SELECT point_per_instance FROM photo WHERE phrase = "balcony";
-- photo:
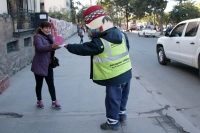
(23, 22)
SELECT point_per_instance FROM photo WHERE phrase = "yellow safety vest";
(113, 61)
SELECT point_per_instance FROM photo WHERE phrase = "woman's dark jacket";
(43, 50)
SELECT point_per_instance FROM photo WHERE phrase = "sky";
(170, 5)
(86, 2)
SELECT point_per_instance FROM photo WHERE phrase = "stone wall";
(12, 61)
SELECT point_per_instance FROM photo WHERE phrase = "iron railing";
(23, 20)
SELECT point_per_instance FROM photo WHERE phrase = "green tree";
(125, 6)
(135, 9)
(198, 6)
(73, 11)
(113, 10)
(184, 11)
(79, 15)
(166, 19)
(154, 8)
(62, 14)
(140, 8)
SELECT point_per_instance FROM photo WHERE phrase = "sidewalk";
(83, 103)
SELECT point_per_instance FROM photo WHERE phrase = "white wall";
(37, 5)
(3, 7)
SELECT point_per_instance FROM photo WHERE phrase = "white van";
(182, 44)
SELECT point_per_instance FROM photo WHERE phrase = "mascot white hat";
(96, 18)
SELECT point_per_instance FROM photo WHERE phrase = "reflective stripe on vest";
(113, 61)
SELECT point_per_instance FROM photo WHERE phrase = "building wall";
(37, 5)
(13, 61)
(3, 7)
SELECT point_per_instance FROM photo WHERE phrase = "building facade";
(16, 34)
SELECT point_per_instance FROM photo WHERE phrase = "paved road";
(178, 83)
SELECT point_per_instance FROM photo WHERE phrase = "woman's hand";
(55, 46)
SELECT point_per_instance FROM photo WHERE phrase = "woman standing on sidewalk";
(41, 65)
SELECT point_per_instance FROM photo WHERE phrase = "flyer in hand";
(59, 40)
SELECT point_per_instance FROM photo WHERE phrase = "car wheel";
(139, 34)
(161, 56)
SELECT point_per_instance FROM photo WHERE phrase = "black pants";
(81, 41)
(50, 82)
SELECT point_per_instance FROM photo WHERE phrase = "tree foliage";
(62, 15)
(134, 9)
(118, 9)
(79, 15)
(186, 10)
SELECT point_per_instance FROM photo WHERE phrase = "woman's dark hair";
(45, 24)
(42, 25)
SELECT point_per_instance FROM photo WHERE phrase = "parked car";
(148, 32)
(182, 44)
(132, 28)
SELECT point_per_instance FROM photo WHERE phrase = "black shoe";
(106, 126)
(123, 119)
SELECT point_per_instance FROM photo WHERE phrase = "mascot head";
(96, 19)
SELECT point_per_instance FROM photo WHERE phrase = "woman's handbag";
(54, 62)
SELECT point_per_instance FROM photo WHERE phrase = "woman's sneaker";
(55, 105)
(40, 104)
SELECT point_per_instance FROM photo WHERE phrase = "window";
(177, 32)
(27, 42)
(22, 16)
(12, 46)
(192, 29)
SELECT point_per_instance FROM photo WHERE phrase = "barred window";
(27, 41)
(12, 46)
